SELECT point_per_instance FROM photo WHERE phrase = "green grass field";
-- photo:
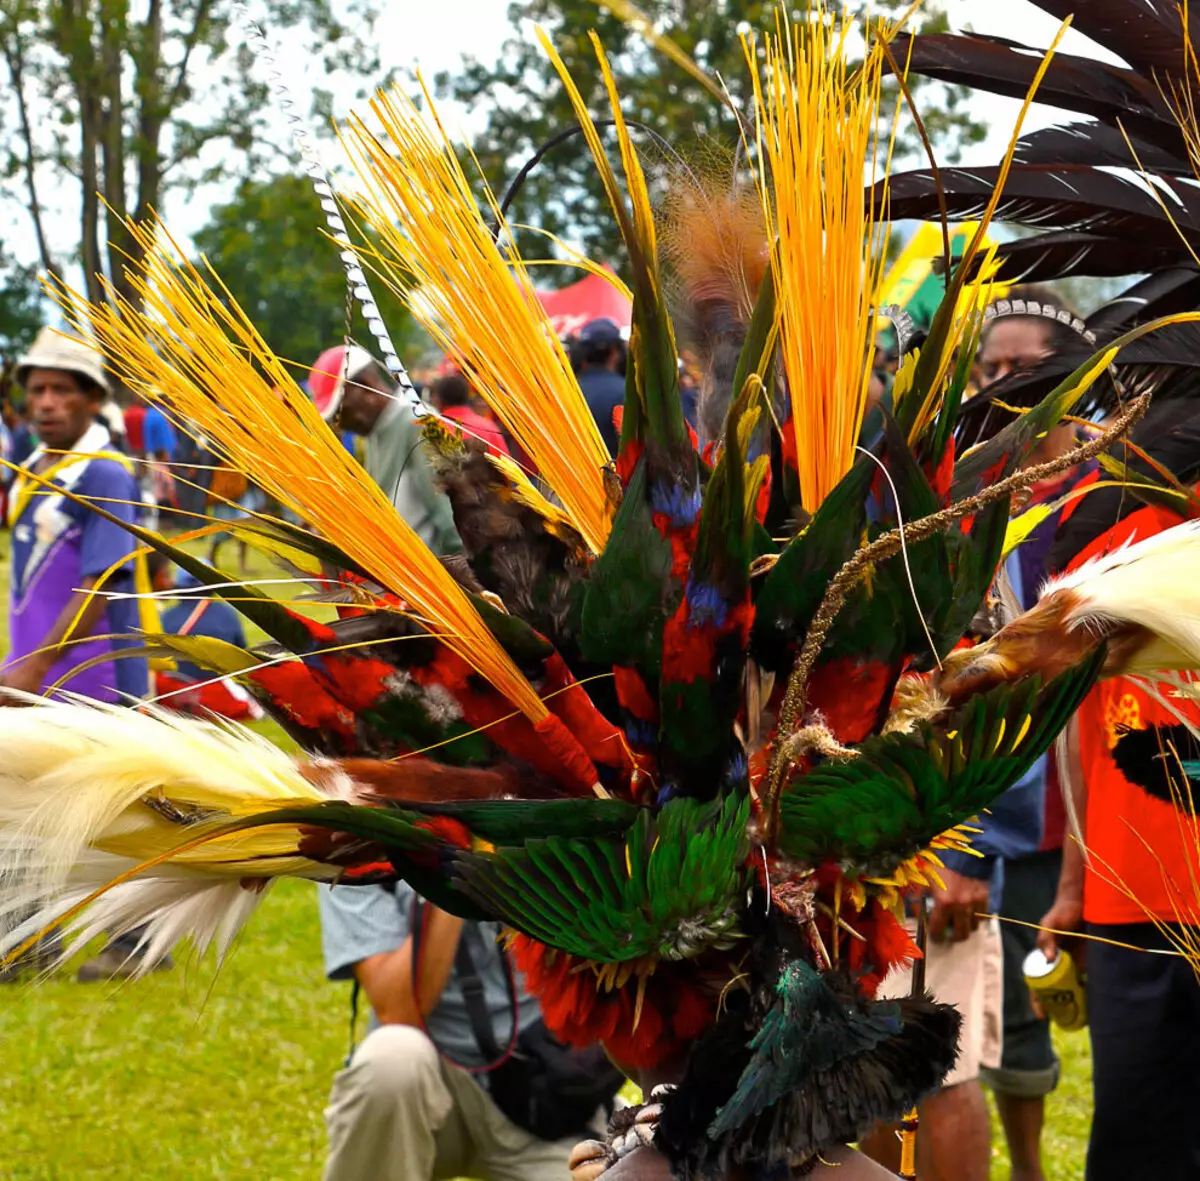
(195, 1074)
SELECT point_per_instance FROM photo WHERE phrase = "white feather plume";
(1153, 584)
(89, 791)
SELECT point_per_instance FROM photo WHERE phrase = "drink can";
(1057, 986)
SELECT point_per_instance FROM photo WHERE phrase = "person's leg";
(954, 1136)
(1144, 1020)
(954, 1142)
(500, 1150)
(391, 1116)
(119, 959)
(1028, 1066)
(1022, 1118)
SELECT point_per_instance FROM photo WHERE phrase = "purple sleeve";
(110, 487)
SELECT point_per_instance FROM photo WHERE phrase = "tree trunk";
(89, 174)
(113, 19)
(153, 109)
(73, 36)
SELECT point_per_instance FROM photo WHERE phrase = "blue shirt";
(604, 391)
(1013, 826)
(216, 619)
(362, 921)
(159, 435)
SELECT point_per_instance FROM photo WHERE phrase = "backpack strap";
(474, 997)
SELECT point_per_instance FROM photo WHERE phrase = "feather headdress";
(658, 733)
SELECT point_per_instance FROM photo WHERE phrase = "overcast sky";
(434, 34)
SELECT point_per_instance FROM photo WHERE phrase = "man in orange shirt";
(1141, 869)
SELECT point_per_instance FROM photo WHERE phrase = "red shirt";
(478, 427)
(1145, 856)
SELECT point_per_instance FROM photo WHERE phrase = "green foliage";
(132, 101)
(22, 308)
(268, 245)
(527, 105)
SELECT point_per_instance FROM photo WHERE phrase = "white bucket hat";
(58, 350)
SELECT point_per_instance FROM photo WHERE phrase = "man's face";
(59, 407)
(361, 407)
(1017, 342)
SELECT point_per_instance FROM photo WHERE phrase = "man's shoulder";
(111, 469)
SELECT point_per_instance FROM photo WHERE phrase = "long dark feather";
(1060, 253)
(1173, 289)
(1099, 145)
(1072, 83)
(1145, 33)
(1069, 197)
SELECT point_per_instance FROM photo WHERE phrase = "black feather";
(1158, 760)
(1145, 33)
(1100, 146)
(1061, 253)
(1109, 93)
(1170, 290)
(848, 1082)
(1072, 197)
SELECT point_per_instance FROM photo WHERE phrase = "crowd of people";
(410, 1102)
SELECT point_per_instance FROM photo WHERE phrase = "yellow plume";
(816, 136)
(477, 300)
(193, 351)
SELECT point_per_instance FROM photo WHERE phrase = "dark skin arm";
(388, 981)
(29, 674)
(1066, 913)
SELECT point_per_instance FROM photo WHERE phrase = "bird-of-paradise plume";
(472, 293)
(192, 350)
(91, 791)
(816, 134)
(1139, 599)
(715, 239)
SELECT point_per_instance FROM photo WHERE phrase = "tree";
(133, 100)
(267, 245)
(527, 106)
(22, 306)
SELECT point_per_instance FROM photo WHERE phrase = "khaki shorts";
(969, 976)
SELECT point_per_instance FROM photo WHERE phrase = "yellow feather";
(815, 137)
(193, 350)
(474, 296)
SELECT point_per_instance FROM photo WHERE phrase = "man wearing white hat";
(350, 387)
(60, 547)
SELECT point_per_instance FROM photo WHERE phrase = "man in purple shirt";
(60, 547)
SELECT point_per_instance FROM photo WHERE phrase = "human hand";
(25, 676)
(957, 907)
(1065, 915)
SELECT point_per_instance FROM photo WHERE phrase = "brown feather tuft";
(716, 240)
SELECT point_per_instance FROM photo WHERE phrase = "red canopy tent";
(593, 297)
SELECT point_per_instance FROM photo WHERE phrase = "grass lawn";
(199, 1074)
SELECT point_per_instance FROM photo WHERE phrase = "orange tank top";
(1145, 854)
